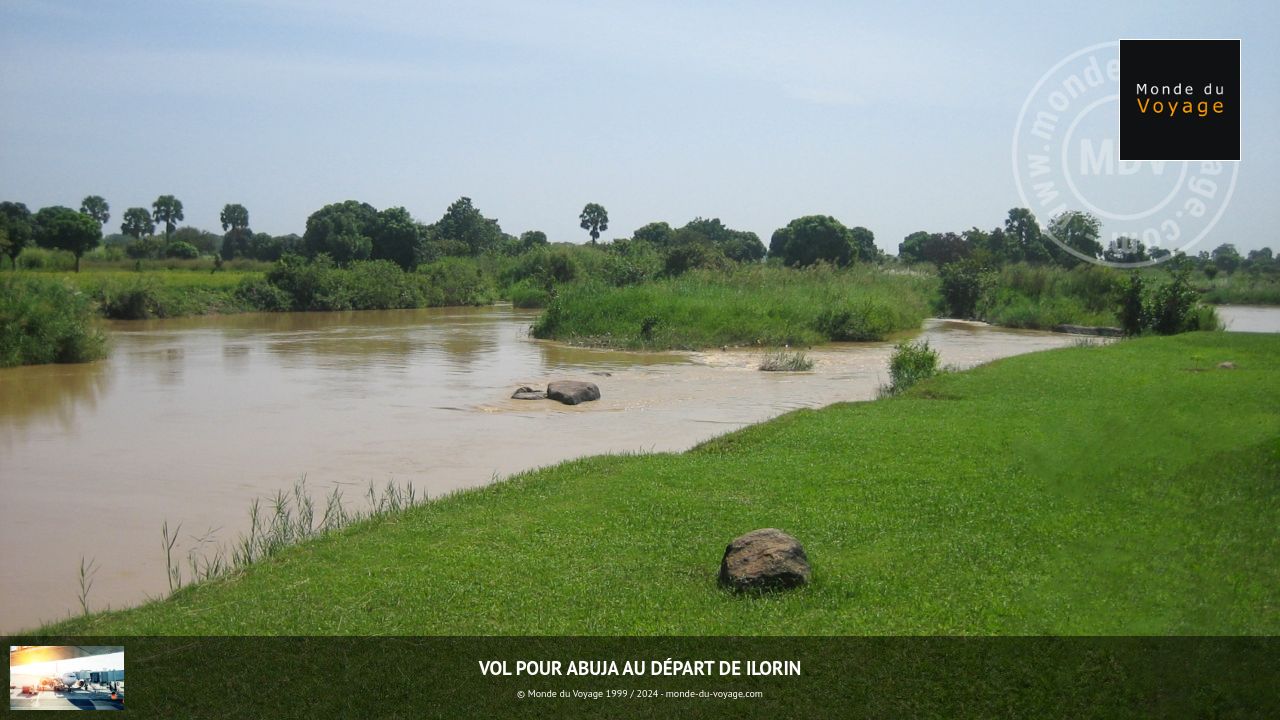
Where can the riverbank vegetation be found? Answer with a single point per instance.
(695, 285)
(756, 306)
(46, 322)
(1135, 498)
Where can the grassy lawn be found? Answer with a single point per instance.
(1128, 489)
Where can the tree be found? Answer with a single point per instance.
(341, 231)
(1023, 239)
(530, 239)
(738, 245)
(1078, 231)
(235, 223)
(396, 237)
(96, 207)
(808, 239)
(464, 223)
(864, 244)
(16, 231)
(1227, 258)
(137, 223)
(167, 209)
(594, 219)
(1125, 249)
(657, 234)
(65, 229)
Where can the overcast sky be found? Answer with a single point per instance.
(892, 116)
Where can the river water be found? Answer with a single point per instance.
(188, 420)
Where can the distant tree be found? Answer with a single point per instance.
(464, 223)
(1125, 249)
(181, 249)
(1023, 239)
(738, 245)
(341, 231)
(937, 248)
(594, 219)
(1227, 258)
(531, 239)
(1078, 231)
(138, 223)
(864, 244)
(1261, 255)
(16, 231)
(96, 207)
(657, 234)
(65, 229)
(690, 249)
(396, 237)
(235, 223)
(167, 209)
(808, 239)
(202, 240)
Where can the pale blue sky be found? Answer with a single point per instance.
(894, 116)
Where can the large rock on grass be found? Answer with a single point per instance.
(572, 392)
(766, 559)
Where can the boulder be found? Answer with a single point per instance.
(572, 392)
(766, 559)
(528, 393)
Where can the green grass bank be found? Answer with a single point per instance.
(1126, 489)
(750, 305)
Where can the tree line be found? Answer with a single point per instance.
(352, 230)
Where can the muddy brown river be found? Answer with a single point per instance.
(190, 419)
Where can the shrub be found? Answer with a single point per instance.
(46, 321)
(179, 249)
(784, 361)
(1133, 316)
(1172, 308)
(963, 284)
(529, 294)
(381, 284)
(135, 298)
(456, 281)
(38, 258)
(867, 320)
(310, 284)
(255, 293)
(911, 363)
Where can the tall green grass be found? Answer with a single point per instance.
(750, 305)
(44, 320)
(1042, 296)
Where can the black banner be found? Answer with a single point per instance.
(441, 677)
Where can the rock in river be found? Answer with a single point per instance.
(766, 559)
(528, 393)
(572, 392)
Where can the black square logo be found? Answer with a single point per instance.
(1179, 99)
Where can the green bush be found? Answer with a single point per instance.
(911, 363)
(963, 284)
(456, 281)
(179, 249)
(747, 305)
(257, 293)
(38, 258)
(529, 294)
(46, 321)
(381, 284)
(856, 322)
(135, 298)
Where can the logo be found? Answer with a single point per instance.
(1066, 158)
